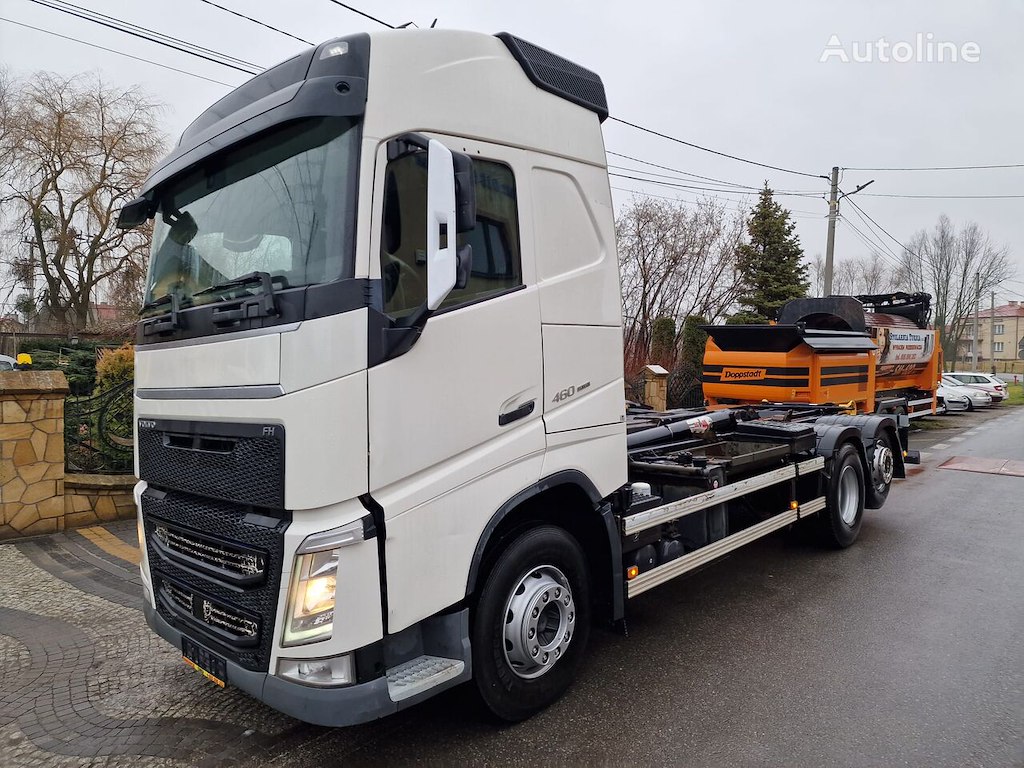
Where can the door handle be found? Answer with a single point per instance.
(521, 412)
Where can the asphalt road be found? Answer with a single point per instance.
(905, 649)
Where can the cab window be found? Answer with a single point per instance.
(496, 265)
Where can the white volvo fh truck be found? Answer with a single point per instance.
(382, 442)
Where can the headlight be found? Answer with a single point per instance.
(312, 597)
(311, 603)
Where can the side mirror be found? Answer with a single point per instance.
(465, 266)
(465, 193)
(442, 261)
(137, 212)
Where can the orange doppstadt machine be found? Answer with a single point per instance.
(877, 353)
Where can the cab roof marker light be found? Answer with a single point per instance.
(334, 49)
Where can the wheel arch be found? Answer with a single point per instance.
(869, 428)
(571, 501)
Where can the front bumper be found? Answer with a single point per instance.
(956, 405)
(347, 705)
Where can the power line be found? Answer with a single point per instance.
(703, 188)
(364, 15)
(917, 255)
(152, 37)
(874, 235)
(119, 53)
(676, 170)
(257, 21)
(871, 244)
(942, 168)
(723, 200)
(121, 24)
(685, 176)
(945, 197)
(676, 184)
(712, 151)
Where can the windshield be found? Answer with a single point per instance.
(283, 204)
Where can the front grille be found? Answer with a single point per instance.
(232, 462)
(217, 568)
(234, 562)
(221, 621)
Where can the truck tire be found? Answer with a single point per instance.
(844, 509)
(531, 623)
(882, 463)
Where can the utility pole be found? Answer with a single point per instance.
(833, 215)
(992, 330)
(974, 332)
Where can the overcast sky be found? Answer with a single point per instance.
(744, 78)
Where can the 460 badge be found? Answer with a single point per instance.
(568, 392)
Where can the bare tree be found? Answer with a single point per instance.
(676, 260)
(852, 276)
(78, 151)
(874, 274)
(945, 263)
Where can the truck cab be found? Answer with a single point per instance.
(346, 390)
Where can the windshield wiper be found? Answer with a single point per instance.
(167, 298)
(161, 323)
(262, 305)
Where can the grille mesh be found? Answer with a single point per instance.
(250, 472)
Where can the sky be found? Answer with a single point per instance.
(743, 78)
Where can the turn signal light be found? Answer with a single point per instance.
(632, 572)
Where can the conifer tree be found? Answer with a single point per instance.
(770, 263)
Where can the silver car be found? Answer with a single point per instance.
(7, 363)
(995, 387)
(953, 394)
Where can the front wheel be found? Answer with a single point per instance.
(844, 509)
(531, 624)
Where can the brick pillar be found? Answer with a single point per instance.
(656, 387)
(31, 452)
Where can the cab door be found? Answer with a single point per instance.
(454, 422)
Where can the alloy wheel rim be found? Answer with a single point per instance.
(539, 622)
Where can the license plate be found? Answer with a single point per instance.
(209, 665)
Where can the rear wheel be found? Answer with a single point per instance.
(531, 624)
(840, 520)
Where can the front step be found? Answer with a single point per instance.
(421, 674)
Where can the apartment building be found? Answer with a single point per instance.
(1000, 336)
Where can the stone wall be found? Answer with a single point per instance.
(92, 499)
(35, 495)
(31, 452)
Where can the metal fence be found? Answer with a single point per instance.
(685, 389)
(98, 436)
